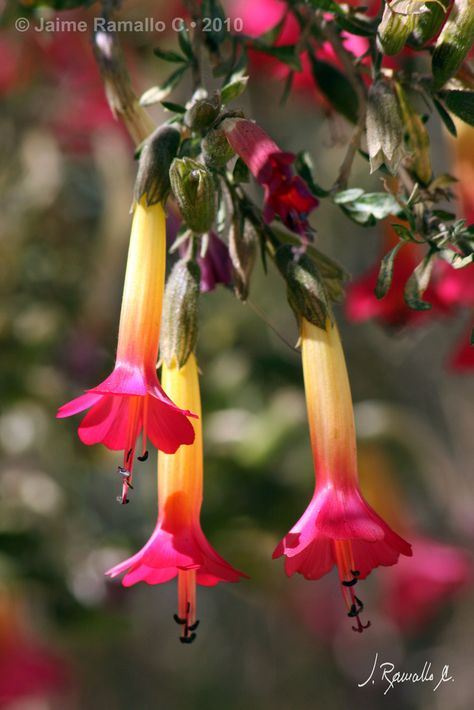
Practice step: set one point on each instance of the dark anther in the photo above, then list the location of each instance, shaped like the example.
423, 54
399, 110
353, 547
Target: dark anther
123, 501
187, 639
130, 451
350, 583
359, 603
360, 627
178, 619
355, 573
194, 626
354, 611
144, 457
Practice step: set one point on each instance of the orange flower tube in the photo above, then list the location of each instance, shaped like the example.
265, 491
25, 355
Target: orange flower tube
178, 546
338, 527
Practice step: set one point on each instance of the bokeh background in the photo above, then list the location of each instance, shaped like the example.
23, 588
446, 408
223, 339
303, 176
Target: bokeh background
70, 639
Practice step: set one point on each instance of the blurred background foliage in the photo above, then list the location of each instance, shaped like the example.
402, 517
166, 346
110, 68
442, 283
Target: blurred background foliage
68, 637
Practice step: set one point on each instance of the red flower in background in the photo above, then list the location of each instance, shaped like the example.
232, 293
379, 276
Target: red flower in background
261, 17
414, 590
286, 195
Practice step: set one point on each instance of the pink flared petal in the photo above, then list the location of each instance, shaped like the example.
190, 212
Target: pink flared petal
79, 404
165, 554
168, 427
107, 423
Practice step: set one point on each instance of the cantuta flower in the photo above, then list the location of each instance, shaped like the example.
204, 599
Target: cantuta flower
286, 195
178, 546
131, 401
338, 527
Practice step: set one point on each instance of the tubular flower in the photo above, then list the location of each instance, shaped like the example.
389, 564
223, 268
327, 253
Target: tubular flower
286, 195
178, 546
338, 527
131, 401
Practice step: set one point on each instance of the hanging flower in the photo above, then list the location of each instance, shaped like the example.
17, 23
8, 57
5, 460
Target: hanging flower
131, 401
286, 195
338, 527
178, 546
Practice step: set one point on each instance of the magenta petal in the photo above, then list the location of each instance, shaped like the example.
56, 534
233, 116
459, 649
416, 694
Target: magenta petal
168, 427
107, 423
78, 404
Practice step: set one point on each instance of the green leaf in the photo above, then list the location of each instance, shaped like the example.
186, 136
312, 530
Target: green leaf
175, 108
402, 232
168, 56
357, 25
287, 88
271, 35
233, 90
285, 53
345, 196
328, 5
184, 41
304, 168
157, 93
240, 172
445, 117
384, 279
417, 285
336, 87
461, 103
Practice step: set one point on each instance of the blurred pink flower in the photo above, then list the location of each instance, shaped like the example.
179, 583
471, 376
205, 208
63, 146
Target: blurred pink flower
414, 590
286, 195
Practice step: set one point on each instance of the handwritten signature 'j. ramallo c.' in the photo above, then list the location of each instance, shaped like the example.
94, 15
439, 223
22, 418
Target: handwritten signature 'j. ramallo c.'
387, 673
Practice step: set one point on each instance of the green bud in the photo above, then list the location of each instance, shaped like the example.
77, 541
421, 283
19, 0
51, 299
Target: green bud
396, 24
242, 251
216, 149
428, 23
156, 156
180, 313
202, 112
194, 189
418, 139
384, 127
454, 42
305, 288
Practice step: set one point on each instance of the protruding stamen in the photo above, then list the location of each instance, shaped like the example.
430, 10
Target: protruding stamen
143, 457
186, 615
127, 458
350, 583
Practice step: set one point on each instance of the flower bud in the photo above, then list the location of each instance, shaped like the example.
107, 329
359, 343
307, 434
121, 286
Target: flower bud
454, 42
156, 156
194, 189
216, 149
417, 138
242, 250
395, 26
202, 112
429, 22
305, 288
180, 313
384, 127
